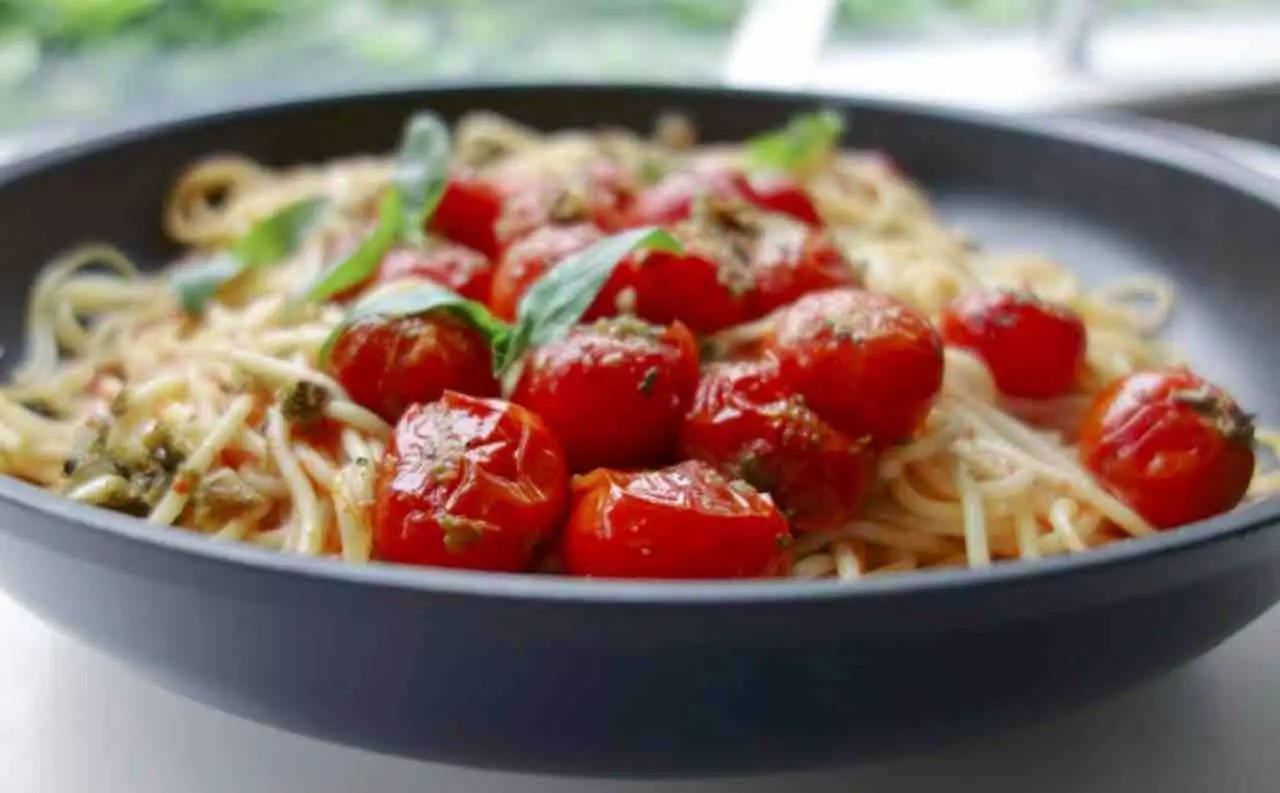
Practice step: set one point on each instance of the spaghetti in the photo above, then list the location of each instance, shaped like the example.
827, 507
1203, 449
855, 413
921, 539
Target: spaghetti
124, 400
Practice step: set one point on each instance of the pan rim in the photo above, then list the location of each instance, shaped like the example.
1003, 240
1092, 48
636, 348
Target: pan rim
1142, 144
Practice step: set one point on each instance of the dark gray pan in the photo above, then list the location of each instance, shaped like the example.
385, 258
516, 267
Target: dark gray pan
648, 678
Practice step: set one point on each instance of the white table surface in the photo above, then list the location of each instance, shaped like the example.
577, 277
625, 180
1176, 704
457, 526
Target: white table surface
75, 721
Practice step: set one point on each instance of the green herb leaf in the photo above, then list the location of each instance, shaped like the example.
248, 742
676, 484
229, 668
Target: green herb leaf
421, 170
801, 144
269, 241
557, 300
417, 182
421, 299
361, 263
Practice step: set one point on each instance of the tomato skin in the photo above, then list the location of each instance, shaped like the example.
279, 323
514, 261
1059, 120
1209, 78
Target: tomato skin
528, 258
388, 364
1174, 447
468, 483
686, 521
462, 269
864, 362
600, 195
468, 213
613, 392
749, 425
787, 266
698, 287
778, 193
672, 199
1035, 349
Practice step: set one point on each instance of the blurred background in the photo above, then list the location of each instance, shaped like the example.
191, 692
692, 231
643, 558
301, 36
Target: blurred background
73, 66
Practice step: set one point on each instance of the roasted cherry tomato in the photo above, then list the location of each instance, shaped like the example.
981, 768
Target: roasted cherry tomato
687, 521
791, 261
601, 195
388, 364
673, 199
462, 269
466, 482
747, 423
613, 392
528, 258
864, 362
1171, 445
468, 213
1034, 348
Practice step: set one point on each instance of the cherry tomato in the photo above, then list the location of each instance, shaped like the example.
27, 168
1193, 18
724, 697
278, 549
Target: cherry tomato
864, 362
528, 258
747, 423
613, 392
788, 263
1171, 445
672, 199
387, 364
686, 521
455, 266
1034, 348
468, 213
601, 195
466, 482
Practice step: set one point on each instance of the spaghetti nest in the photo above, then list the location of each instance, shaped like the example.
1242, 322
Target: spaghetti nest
124, 400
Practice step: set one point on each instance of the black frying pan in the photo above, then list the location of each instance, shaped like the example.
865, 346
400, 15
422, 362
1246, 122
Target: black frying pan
643, 679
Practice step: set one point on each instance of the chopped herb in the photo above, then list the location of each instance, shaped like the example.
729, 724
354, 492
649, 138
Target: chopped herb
460, 533
222, 495
304, 402
649, 380
40, 408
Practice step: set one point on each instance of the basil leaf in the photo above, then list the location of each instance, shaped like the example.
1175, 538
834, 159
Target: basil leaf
271, 240
418, 300
361, 263
421, 170
417, 181
557, 300
799, 145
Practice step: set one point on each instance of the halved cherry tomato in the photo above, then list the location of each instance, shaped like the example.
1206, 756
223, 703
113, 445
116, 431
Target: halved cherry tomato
613, 392
462, 269
387, 364
864, 362
471, 483
1034, 348
1171, 445
528, 258
791, 261
686, 521
468, 213
748, 424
